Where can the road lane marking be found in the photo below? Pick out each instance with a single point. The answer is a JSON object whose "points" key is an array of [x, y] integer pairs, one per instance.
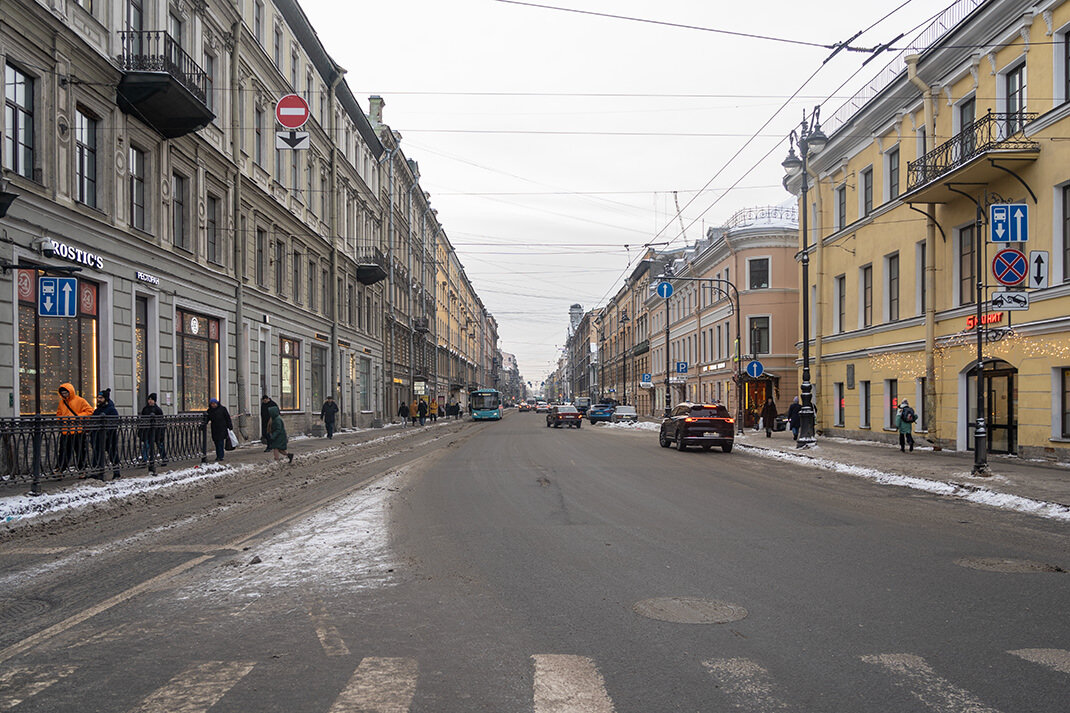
{"points": [[748, 684], [569, 684], [196, 689], [379, 685], [23, 682], [1056, 659], [935, 693], [330, 639]]}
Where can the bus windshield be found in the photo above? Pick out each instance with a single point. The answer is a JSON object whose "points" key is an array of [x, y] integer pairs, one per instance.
{"points": [[485, 401]]}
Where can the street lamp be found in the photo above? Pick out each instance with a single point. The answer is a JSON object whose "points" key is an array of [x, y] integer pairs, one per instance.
{"points": [[624, 324], [810, 139]]}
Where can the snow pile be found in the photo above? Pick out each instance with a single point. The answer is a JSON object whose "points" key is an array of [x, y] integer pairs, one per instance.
{"points": [[636, 426], [966, 492]]}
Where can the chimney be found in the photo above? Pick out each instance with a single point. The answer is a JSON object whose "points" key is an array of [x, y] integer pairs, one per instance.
{"points": [[375, 110]]}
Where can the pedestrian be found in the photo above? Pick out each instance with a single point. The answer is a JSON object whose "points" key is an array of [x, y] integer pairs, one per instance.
{"points": [[277, 438], [904, 423], [327, 413], [152, 433], [219, 418], [403, 413], [422, 410], [414, 411], [769, 415], [106, 437], [793, 418], [72, 447], [433, 412], [266, 403]]}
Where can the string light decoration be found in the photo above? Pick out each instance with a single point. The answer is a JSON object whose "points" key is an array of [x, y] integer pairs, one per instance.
{"points": [[1008, 345]]}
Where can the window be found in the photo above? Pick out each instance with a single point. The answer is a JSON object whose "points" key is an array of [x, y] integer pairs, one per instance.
{"points": [[198, 360], [892, 280], [312, 285], [141, 348], [87, 4], [1015, 86], [135, 17], [295, 68], [280, 267], [365, 384], [138, 216], [759, 273], [18, 122], [867, 296], [841, 303], [85, 170], [179, 206], [1065, 403], [290, 374], [328, 303], [278, 48], [922, 294], [320, 382], [759, 335], [209, 80], [258, 137], [864, 403], [838, 403], [893, 173], [211, 229], [867, 192], [967, 114], [967, 258], [308, 91], [891, 396], [1066, 233], [175, 29], [258, 22], [261, 248], [841, 207], [278, 166], [295, 169], [919, 407], [297, 276]]}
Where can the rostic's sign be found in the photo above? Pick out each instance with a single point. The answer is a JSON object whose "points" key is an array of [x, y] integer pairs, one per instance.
{"points": [[82, 257]]}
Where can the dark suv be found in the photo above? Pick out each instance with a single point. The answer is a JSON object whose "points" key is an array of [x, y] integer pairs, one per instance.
{"points": [[705, 425]]}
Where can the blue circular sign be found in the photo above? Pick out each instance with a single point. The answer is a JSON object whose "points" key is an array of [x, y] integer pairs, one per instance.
{"points": [[665, 289], [755, 369], [1010, 266]]}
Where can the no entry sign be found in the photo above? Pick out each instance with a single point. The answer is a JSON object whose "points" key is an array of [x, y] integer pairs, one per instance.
{"points": [[292, 111], [1010, 267]]}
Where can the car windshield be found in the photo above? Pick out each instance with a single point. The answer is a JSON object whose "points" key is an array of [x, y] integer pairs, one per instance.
{"points": [[567, 409]]}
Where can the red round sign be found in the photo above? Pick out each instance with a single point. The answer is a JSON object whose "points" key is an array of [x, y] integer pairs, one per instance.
{"points": [[292, 111], [1010, 267]]}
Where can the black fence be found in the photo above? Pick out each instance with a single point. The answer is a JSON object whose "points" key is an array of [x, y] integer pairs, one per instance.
{"points": [[990, 132], [157, 51], [36, 448]]}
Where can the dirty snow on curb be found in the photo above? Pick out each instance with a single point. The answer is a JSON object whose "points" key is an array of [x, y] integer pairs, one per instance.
{"points": [[637, 426], [973, 494], [344, 545]]}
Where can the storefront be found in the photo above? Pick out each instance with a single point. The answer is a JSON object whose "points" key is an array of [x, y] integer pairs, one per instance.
{"points": [[196, 360]]}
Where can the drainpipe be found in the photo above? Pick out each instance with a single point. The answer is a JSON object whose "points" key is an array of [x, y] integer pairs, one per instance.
{"points": [[336, 350], [388, 303], [819, 266], [238, 237], [929, 397]]}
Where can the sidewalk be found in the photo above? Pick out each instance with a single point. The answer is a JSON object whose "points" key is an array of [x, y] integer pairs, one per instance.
{"points": [[948, 472]]}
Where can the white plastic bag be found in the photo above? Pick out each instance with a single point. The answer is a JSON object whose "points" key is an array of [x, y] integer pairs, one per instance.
{"points": [[233, 438]]}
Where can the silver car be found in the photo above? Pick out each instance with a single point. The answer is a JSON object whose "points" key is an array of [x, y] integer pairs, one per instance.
{"points": [[625, 414]]}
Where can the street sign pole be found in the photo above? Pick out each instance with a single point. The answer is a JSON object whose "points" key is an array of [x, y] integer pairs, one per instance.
{"points": [[668, 387], [980, 434]]}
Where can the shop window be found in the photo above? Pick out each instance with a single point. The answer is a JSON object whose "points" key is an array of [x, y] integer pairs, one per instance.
{"points": [[18, 126], [141, 349], [55, 350], [840, 406], [864, 405], [197, 357], [320, 382], [891, 401], [290, 374], [1065, 428]]}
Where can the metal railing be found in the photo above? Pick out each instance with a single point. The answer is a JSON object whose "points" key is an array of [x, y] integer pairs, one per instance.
{"points": [[1002, 131], [371, 256], [157, 51], [36, 448]]}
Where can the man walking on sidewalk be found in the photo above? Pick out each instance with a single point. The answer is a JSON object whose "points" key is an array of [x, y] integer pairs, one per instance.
{"points": [[904, 423], [327, 413]]}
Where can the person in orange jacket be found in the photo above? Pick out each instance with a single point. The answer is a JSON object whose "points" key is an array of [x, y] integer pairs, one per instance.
{"points": [[72, 408]]}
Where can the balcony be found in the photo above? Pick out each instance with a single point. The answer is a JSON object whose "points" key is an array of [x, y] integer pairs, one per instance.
{"points": [[970, 157], [162, 85], [371, 266]]}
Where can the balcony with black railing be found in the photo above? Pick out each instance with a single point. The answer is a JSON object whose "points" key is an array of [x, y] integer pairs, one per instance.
{"points": [[371, 266], [162, 85], [970, 156]]}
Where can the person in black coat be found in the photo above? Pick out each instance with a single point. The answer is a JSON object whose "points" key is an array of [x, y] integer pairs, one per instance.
{"points": [[769, 415], [421, 410], [265, 418], [327, 413], [106, 438], [152, 433], [218, 418], [793, 418], [403, 412]]}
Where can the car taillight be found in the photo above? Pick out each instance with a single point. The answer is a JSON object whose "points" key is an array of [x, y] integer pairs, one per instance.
{"points": [[690, 420]]}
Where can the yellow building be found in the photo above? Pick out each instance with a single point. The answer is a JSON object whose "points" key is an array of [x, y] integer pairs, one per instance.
{"points": [[899, 206]]}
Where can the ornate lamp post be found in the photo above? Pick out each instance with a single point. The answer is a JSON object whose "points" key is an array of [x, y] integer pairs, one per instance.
{"points": [[624, 325], [810, 139]]}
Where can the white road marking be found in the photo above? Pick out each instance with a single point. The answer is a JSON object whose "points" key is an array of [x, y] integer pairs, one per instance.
{"points": [[379, 685], [748, 684], [22, 682], [934, 692], [1056, 659], [196, 689], [330, 639], [569, 684]]}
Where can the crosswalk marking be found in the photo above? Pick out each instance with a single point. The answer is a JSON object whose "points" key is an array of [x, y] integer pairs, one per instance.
{"points": [[331, 641], [379, 685], [747, 683], [569, 684], [196, 689], [1056, 659], [22, 682], [934, 692]]}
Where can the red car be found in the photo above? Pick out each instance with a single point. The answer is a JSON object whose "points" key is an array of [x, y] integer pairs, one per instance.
{"points": [[564, 416]]}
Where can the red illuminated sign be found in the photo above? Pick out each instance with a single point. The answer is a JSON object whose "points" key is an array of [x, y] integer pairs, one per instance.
{"points": [[990, 318]]}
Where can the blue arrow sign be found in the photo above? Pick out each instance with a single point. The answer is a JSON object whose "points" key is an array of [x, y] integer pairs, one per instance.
{"points": [[1008, 222], [665, 289], [57, 296], [755, 369], [681, 367]]}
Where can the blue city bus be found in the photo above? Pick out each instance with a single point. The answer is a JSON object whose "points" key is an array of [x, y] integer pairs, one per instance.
{"points": [[485, 405]]}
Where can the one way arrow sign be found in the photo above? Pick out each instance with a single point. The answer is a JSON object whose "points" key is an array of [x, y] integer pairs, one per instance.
{"points": [[1038, 269], [291, 140]]}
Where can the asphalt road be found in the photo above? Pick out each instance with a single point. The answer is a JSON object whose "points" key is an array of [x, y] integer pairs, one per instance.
{"points": [[510, 567]]}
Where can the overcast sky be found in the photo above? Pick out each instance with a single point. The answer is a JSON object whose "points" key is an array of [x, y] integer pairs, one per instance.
{"points": [[547, 187]]}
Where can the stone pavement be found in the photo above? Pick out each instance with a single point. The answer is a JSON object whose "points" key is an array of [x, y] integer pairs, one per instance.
{"points": [[1036, 480]]}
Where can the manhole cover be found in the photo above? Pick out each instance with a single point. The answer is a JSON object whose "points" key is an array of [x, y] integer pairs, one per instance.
{"points": [[689, 610], [1006, 564], [18, 608]]}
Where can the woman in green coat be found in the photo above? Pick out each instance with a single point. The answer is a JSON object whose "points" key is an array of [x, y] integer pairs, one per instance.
{"points": [[277, 434]]}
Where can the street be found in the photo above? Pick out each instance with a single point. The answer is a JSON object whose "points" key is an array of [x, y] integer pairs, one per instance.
{"points": [[505, 566]]}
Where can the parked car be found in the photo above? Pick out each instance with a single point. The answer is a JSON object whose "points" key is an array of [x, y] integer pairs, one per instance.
{"points": [[705, 425], [542, 407], [624, 414], [583, 403], [600, 412], [564, 416]]}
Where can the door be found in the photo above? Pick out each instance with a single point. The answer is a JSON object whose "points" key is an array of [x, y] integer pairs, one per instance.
{"points": [[1001, 407]]}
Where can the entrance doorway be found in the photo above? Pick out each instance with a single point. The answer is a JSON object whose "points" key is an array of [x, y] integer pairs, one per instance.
{"points": [[1001, 406], [755, 393]]}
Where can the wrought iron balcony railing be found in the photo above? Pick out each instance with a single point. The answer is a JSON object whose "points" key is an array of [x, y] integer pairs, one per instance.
{"points": [[157, 51], [991, 132]]}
